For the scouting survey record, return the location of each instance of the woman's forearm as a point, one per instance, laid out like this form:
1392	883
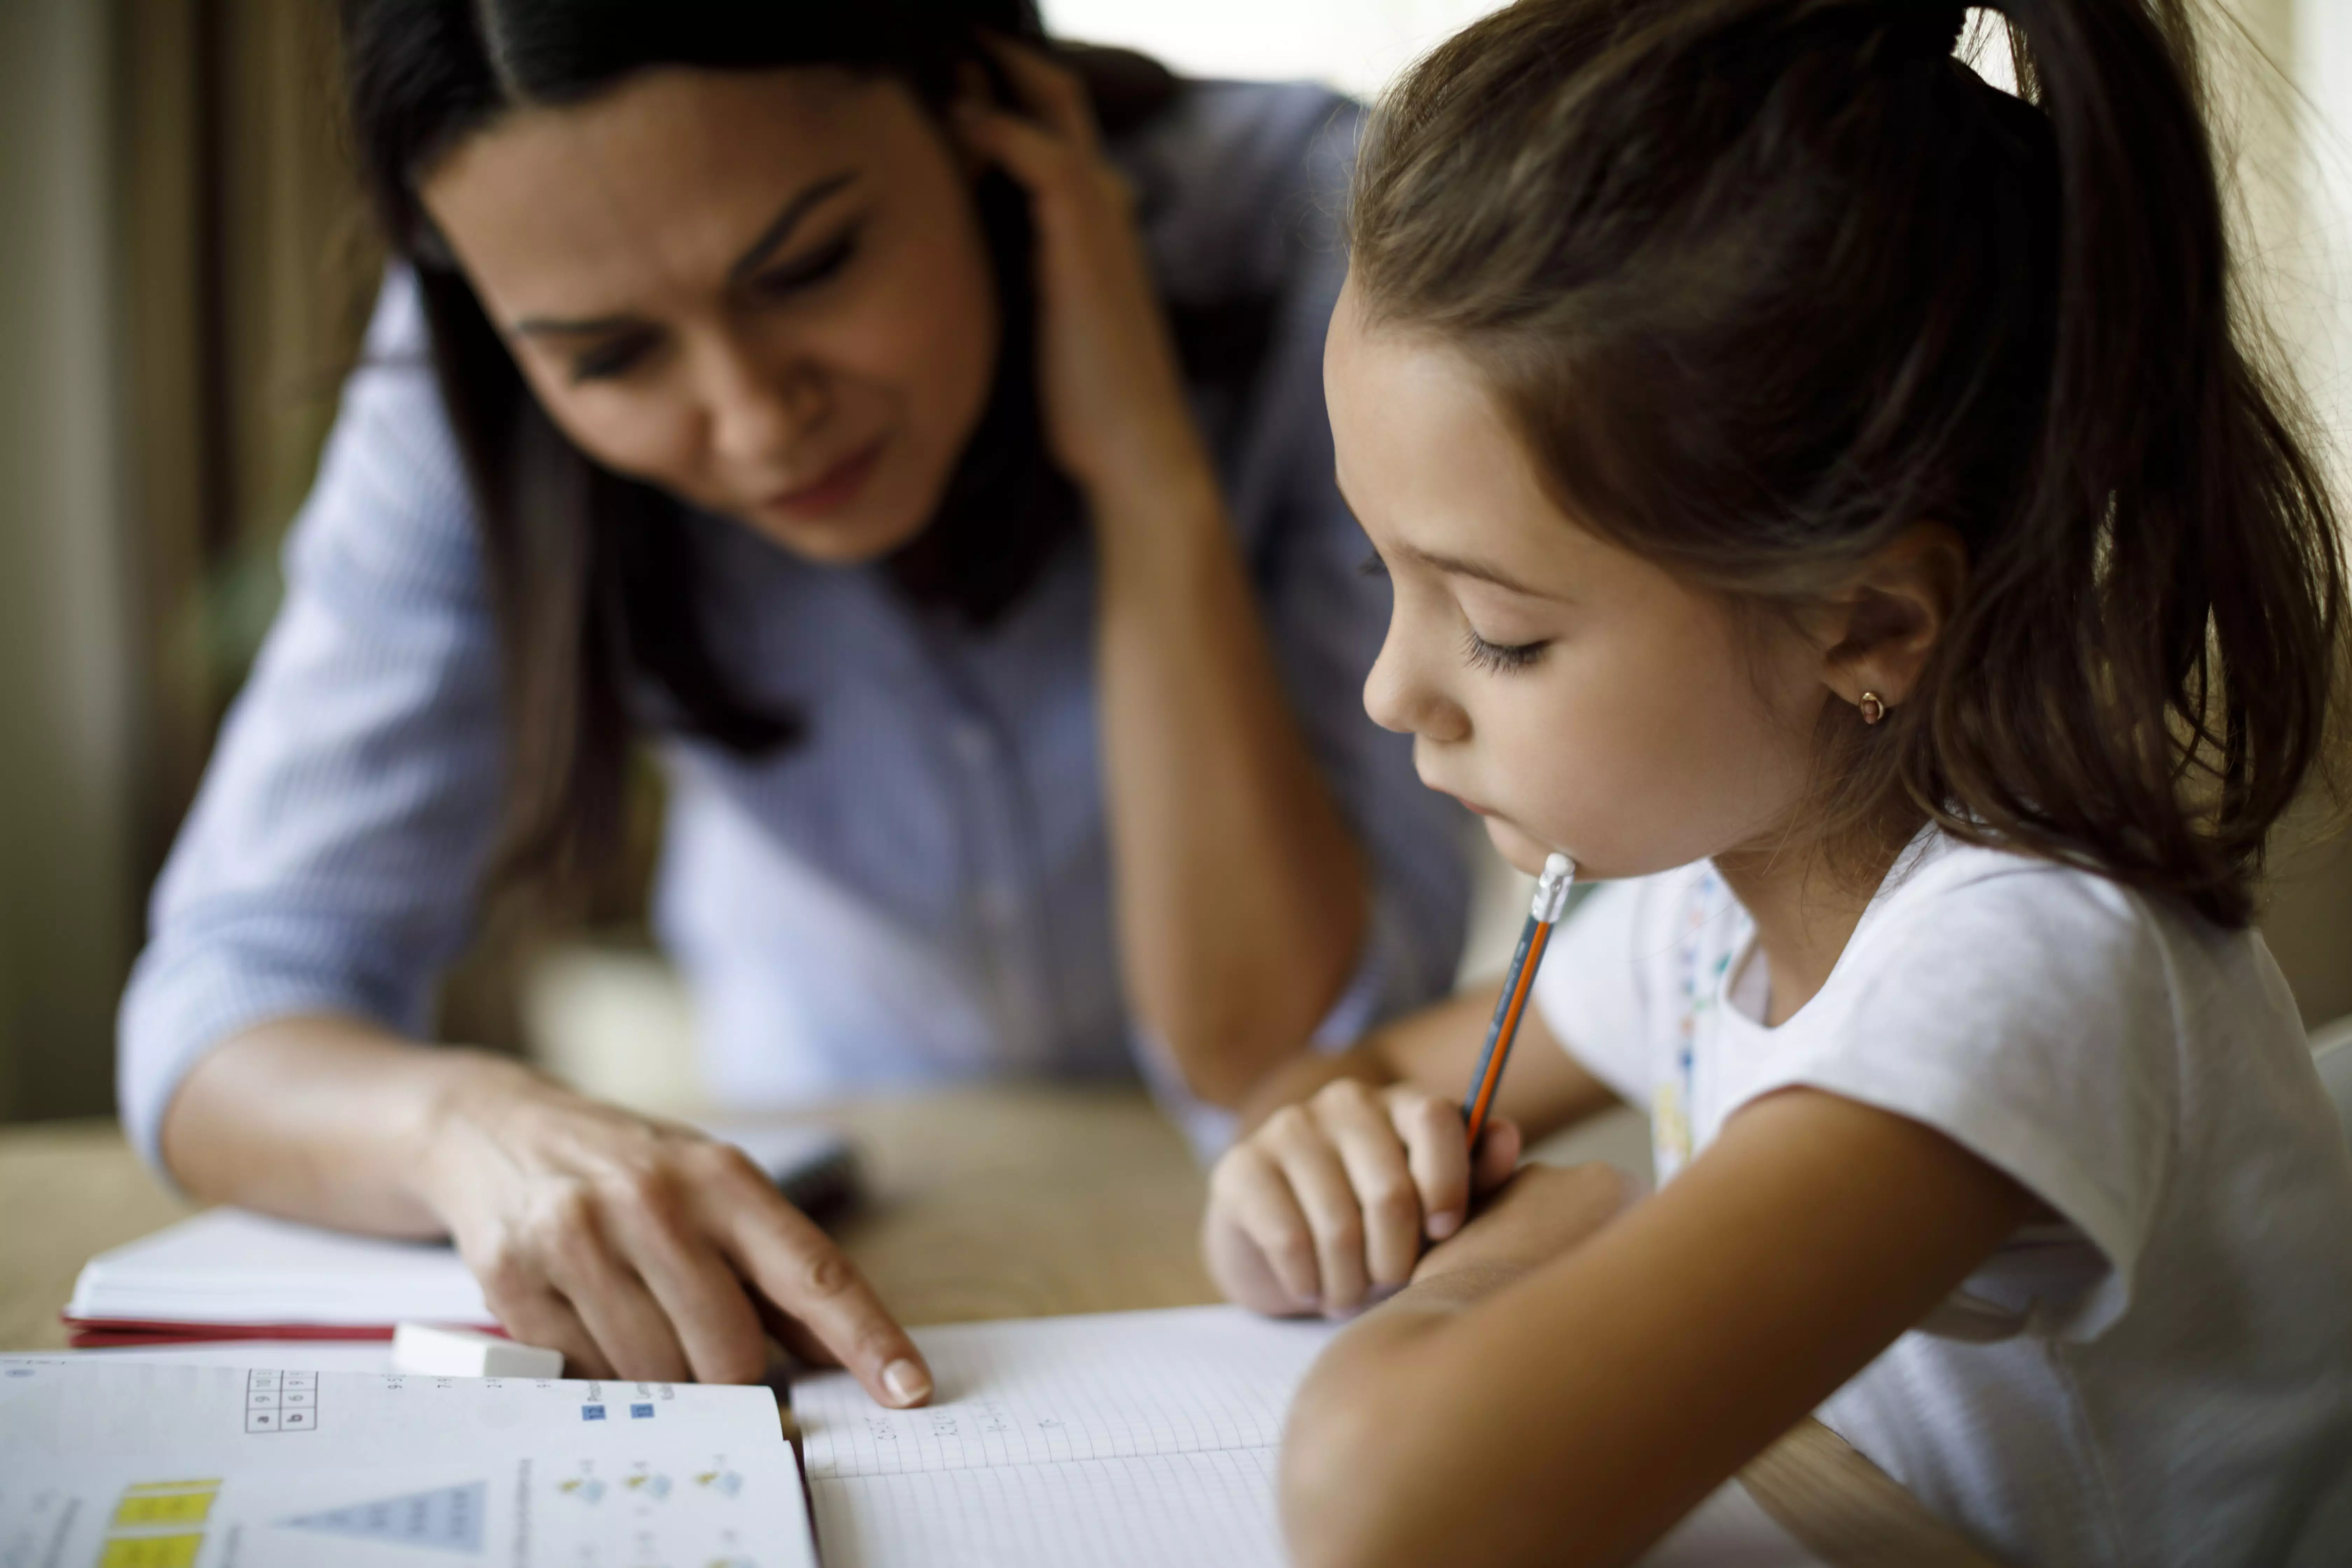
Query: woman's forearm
321	1118
1243	898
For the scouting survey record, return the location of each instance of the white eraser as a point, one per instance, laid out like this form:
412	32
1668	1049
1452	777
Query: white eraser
432	1351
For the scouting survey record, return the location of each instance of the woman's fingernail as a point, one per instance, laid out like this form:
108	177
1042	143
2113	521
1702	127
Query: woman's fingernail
1441	1225
906	1381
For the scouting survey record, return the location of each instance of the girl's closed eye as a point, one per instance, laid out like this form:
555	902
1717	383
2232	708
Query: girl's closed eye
1500	658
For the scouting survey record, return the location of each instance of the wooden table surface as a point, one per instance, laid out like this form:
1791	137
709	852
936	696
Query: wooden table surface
991	1203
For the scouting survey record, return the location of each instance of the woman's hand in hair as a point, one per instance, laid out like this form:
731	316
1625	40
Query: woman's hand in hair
1114	400
642	1249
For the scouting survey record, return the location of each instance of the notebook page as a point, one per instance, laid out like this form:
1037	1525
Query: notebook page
1154	1511
1052	1390
144	1465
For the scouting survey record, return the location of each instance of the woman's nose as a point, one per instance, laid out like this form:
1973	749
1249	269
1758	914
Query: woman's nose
759	409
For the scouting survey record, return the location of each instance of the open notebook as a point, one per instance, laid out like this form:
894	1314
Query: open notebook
1133	1437
1139	1438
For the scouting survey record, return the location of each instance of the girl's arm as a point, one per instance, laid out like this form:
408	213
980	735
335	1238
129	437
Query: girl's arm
1562	1382
1242	898
1352	1163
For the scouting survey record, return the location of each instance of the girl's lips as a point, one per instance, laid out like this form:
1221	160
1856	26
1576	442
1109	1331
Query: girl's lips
1467	802
833	490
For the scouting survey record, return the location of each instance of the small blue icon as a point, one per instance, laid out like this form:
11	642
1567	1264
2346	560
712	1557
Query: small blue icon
641	1412
592	1412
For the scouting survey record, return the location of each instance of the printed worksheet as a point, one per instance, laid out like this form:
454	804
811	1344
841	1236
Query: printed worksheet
118	1464
1142	1439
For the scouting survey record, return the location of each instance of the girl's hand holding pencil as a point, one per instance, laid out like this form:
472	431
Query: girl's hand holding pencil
1327	1207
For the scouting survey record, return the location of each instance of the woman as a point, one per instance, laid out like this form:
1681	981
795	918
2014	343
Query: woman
805	402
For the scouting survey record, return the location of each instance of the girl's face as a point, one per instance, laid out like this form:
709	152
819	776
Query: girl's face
765	292
1574	695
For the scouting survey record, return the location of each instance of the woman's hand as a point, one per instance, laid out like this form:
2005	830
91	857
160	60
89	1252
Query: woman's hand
1327	1204
642	1249
1114	401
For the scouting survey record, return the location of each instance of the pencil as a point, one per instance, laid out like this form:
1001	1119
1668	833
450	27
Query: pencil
1543	912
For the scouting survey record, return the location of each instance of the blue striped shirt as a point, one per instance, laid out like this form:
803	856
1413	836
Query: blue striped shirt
922	890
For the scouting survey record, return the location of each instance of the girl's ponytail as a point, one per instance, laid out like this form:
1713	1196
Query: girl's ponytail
1767	282
2145	672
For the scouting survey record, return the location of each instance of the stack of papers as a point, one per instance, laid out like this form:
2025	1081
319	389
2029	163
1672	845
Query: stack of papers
232	1274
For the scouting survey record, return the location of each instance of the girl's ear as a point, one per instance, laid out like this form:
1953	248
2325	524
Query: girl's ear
1877	632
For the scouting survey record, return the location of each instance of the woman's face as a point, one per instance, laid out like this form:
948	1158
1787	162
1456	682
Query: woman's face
765	292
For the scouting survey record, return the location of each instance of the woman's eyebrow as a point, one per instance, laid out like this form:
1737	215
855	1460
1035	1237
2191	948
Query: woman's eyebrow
776	233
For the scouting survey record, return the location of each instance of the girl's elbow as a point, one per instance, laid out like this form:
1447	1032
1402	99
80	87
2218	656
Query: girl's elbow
1347	1485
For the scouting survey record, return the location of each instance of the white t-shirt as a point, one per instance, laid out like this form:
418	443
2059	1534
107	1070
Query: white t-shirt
2165	1377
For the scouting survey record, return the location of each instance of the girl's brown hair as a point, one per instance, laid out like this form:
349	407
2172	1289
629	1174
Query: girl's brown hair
1766	282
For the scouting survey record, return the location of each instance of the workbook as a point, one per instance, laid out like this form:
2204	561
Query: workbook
1139	1438
116	1463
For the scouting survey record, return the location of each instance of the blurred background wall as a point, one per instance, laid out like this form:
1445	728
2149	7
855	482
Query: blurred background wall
184	269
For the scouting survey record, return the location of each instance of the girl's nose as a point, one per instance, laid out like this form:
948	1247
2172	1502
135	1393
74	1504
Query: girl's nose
1398	696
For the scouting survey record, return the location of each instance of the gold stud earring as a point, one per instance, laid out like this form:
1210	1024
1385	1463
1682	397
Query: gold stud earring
1873	709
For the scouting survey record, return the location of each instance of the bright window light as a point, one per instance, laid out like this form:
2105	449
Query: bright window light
1354	44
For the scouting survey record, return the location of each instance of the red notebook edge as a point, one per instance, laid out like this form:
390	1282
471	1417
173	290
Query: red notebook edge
100	1333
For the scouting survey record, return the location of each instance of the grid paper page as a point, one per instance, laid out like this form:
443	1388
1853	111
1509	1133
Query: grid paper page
1048	1390
1155	1510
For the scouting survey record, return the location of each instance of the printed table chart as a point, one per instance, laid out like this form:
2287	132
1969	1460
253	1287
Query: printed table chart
281	1401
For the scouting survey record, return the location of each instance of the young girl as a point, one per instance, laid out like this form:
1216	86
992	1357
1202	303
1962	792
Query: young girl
1828	499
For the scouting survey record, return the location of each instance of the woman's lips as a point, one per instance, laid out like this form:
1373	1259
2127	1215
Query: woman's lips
831	490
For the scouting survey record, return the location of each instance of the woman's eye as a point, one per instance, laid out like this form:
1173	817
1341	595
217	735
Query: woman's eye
615	357
1373	566
1500	658
807	271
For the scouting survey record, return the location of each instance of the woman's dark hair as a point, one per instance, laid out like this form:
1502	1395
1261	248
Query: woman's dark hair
592	575
1766	282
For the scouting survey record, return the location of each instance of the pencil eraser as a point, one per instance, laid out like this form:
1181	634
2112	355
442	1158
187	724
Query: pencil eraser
432	1352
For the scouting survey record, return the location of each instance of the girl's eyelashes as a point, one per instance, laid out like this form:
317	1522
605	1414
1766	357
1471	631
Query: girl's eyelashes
1500	658
1373	566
